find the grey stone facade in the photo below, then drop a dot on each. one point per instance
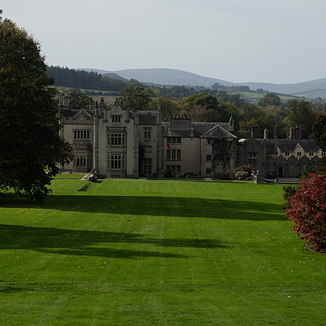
(117, 142)
(121, 143)
(281, 158)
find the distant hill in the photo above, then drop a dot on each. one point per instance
(178, 77)
(114, 76)
(169, 77)
(313, 93)
(292, 89)
(161, 76)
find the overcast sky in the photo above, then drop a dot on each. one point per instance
(278, 41)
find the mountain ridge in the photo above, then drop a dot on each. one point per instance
(168, 77)
(292, 89)
(165, 76)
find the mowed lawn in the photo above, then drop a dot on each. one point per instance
(139, 252)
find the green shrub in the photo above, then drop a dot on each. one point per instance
(241, 172)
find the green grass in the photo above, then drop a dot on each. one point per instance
(134, 252)
(69, 176)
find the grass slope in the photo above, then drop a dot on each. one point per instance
(132, 252)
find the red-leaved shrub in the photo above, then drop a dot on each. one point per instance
(308, 211)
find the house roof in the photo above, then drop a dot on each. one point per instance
(186, 128)
(288, 145)
(226, 125)
(284, 145)
(180, 124)
(147, 117)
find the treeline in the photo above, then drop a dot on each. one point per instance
(66, 77)
(231, 89)
(276, 117)
(80, 79)
(204, 104)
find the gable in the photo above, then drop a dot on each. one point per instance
(298, 147)
(117, 107)
(218, 132)
(82, 114)
(290, 145)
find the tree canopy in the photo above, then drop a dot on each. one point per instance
(136, 98)
(29, 118)
(270, 99)
(301, 114)
(167, 106)
(78, 100)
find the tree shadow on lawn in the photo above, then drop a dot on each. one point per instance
(168, 206)
(92, 243)
(157, 206)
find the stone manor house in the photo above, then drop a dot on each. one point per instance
(121, 143)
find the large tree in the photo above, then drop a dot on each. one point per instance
(301, 114)
(206, 107)
(319, 131)
(270, 99)
(78, 101)
(168, 107)
(250, 115)
(29, 119)
(136, 98)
